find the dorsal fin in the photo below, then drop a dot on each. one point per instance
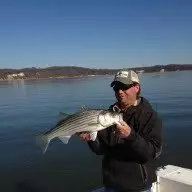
(84, 108)
(63, 115)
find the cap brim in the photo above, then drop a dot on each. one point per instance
(120, 81)
(115, 82)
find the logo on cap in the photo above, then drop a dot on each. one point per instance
(122, 74)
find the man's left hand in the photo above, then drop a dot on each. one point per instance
(122, 129)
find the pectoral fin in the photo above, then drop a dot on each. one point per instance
(93, 135)
(64, 139)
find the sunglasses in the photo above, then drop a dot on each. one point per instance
(116, 88)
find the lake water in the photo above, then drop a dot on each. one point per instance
(29, 107)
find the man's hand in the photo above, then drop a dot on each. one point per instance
(85, 136)
(122, 129)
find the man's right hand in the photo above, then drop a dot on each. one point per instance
(85, 136)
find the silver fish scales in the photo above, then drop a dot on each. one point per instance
(90, 120)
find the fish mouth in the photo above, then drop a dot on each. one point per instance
(101, 119)
(108, 118)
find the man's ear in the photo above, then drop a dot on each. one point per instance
(137, 87)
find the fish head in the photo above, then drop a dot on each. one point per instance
(108, 118)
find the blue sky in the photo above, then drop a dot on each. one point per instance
(95, 33)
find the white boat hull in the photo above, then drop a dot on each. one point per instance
(170, 179)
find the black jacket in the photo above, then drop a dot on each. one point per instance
(128, 164)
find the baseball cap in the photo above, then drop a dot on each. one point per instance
(125, 77)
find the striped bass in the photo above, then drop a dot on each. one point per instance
(89, 120)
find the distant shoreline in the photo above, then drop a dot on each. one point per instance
(78, 76)
(62, 72)
(52, 78)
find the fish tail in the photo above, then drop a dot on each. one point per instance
(43, 142)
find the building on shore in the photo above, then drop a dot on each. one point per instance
(140, 71)
(162, 70)
(16, 76)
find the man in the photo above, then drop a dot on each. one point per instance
(130, 148)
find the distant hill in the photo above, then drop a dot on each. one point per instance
(56, 71)
(71, 71)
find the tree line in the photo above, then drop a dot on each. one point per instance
(71, 71)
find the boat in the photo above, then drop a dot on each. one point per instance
(170, 178)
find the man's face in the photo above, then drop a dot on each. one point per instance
(126, 94)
